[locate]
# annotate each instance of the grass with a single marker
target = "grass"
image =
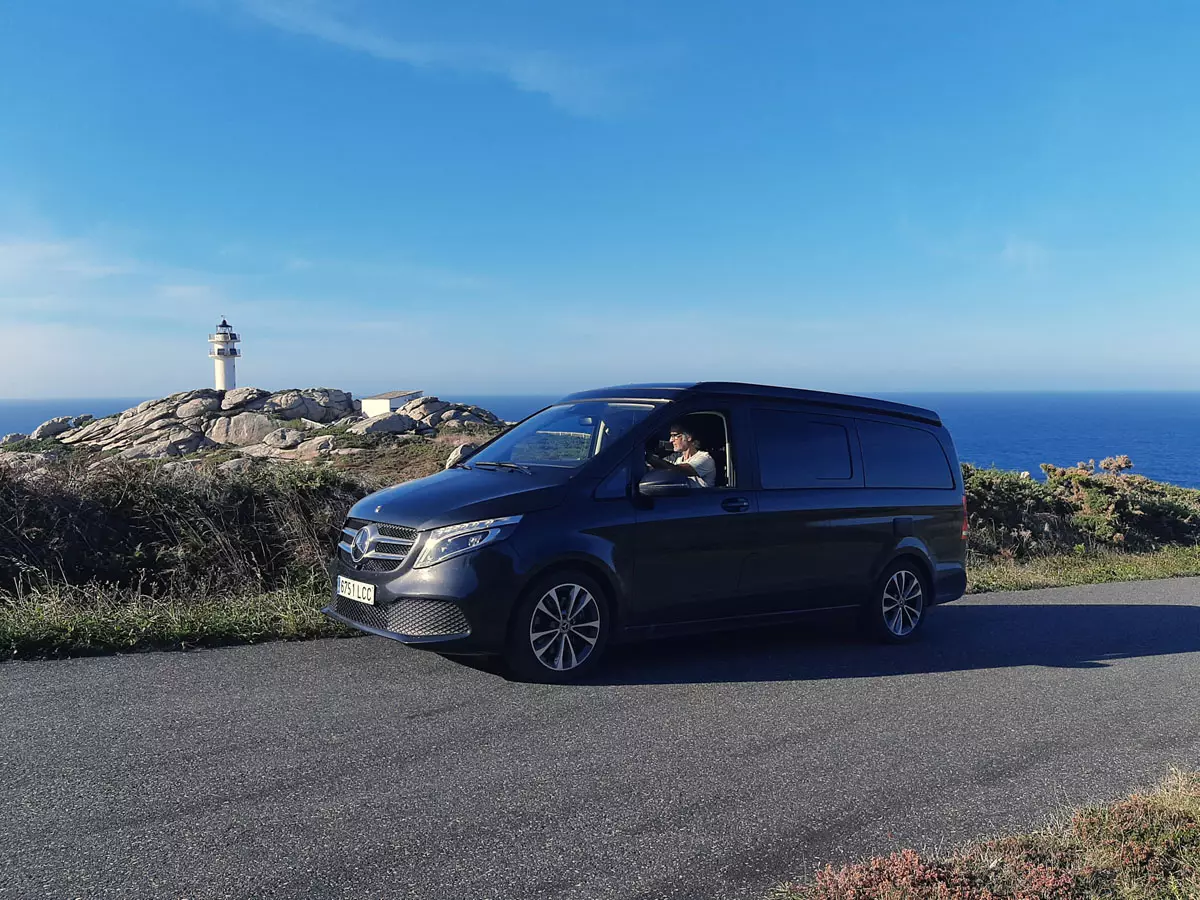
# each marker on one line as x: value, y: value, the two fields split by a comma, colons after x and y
x: 60, y: 621
x: 1145, y: 847
x: 1099, y: 567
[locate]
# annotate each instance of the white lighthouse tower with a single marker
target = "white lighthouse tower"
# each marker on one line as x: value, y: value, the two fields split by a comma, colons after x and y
x: 224, y: 353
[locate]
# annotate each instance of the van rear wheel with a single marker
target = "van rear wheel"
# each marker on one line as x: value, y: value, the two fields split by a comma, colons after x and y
x: 559, y: 630
x: 899, y: 603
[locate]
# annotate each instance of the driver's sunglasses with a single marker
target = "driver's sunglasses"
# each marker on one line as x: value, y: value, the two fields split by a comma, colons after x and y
x: 675, y: 434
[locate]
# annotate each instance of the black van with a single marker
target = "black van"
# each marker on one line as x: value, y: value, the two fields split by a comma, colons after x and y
x: 577, y: 527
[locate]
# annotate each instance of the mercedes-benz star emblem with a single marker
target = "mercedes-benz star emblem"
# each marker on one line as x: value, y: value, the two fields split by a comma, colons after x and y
x: 362, y: 541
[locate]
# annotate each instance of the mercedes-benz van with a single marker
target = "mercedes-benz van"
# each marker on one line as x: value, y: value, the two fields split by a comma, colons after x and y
x: 577, y: 527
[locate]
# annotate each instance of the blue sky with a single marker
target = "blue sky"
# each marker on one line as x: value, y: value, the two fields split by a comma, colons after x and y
x: 507, y: 197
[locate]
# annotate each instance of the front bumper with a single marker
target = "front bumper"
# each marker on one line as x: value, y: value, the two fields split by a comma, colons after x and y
x: 461, y: 605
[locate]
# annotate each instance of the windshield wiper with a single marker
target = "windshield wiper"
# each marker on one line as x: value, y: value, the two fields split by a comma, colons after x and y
x: 515, y: 467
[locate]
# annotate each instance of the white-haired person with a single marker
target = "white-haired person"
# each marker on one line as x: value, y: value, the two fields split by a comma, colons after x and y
x: 688, y: 458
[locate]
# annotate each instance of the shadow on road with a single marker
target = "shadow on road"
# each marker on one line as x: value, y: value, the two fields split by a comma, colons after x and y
x: 955, y: 638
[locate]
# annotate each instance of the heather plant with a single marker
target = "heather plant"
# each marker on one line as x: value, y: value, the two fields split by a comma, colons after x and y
x: 1146, y: 847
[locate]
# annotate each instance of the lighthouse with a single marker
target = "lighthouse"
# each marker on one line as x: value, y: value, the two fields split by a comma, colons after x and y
x: 224, y: 354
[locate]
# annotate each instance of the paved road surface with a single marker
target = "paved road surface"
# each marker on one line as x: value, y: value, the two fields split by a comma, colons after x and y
x: 360, y: 768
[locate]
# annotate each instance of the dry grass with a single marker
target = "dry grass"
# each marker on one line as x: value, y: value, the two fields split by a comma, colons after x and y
x: 1145, y: 847
x: 1082, y: 568
x: 61, y: 621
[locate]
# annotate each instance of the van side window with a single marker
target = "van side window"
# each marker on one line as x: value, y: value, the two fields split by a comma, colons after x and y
x: 796, y: 451
x: 710, y: 429
x: 899, y: 456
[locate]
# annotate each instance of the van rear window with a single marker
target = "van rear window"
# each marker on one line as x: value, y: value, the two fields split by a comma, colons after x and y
x: 897, y: 456
x: 795, y: 451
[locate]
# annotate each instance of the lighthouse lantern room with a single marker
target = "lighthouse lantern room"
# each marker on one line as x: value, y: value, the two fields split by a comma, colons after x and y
x: 224, y: 353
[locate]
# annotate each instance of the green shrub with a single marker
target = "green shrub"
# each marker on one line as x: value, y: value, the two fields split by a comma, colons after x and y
x: 1076, y: 510
x: 170, y: 532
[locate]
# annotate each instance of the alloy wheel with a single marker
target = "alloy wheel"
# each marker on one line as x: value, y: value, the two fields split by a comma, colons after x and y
x: 903, y: 603
x: 564, y: 627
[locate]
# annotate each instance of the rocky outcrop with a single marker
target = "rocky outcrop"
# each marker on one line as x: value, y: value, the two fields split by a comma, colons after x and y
x: 198, y: 407
x: 388, y: 423
x: 431, y: 412
x: 241, y: 430
x: 244, y: 398
x: 52, y: 428
x: 12, y: 437
x: 284, y: 438
x: 317, y: 404
x: 276, y: 426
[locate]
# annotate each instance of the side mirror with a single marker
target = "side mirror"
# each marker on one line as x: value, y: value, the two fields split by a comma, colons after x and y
x: 664, y: 484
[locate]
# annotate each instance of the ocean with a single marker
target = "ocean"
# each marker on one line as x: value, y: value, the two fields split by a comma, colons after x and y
x: 1159, y: 431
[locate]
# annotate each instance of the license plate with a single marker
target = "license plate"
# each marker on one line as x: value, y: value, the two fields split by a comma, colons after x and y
x: 355, y: 590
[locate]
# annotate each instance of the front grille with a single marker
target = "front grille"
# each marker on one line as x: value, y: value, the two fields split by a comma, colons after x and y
x: 399, y: 532
x: 385, y: 547
x: 414, y: 618
x: 370, y: 564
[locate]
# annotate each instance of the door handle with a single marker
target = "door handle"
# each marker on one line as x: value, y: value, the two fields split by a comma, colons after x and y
x: 735, y: 504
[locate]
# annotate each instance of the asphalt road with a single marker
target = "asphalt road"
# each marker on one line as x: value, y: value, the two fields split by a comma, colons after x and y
x: 691, y: 769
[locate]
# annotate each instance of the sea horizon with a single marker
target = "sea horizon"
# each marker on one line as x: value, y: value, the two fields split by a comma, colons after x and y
x: 1014, y: 430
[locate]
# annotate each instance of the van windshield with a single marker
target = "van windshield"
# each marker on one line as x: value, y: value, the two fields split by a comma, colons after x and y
x: 564, y: 436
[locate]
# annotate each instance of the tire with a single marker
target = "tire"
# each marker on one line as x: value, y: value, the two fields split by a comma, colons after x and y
x: 899, y: 603
x: 545, y: 647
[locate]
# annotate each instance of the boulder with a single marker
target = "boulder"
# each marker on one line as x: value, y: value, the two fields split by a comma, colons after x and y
x: 388, y: 423
x: 52, y: 428
x: 22, y: 463
x: 249, y: 397
x: 154, y: 450
x: 326, y: 404
x: 93, y: 431
x: 138, y: 419
x: 348, y: 451
x: 286, y: 405
x: 198, y: 407
x: 13, y: 437
x: 308, y: 424
x: 236, y: 466
x: 314, y: 447
x: 459, y: 453
x: 316, y: 404
x: 284, y: 438
x: 241, y: 430
x: 485, y: 415
x: 85, y: 419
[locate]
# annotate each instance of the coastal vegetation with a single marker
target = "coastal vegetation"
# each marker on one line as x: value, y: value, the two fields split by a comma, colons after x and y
x: 179, y: 552
x: 1143, y: 847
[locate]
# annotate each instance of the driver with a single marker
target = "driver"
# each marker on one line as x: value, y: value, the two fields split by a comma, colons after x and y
x: 687, y: 458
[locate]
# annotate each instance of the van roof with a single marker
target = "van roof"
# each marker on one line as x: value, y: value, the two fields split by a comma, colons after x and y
x: 677, y: 391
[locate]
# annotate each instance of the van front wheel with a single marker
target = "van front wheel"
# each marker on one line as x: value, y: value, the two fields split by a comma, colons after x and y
x: 559, y: 630
x: 898, y: 604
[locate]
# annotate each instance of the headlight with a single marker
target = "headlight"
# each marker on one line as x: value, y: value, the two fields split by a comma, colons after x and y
x: 443, y: 543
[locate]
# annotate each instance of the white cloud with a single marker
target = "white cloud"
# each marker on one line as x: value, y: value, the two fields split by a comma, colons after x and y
x: 570, y: 86
x: 22, y: 259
